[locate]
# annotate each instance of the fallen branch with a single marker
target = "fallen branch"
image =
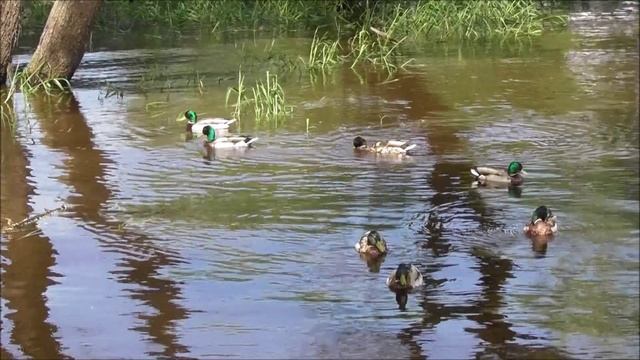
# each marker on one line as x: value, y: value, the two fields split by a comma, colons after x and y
x: 11, y: 226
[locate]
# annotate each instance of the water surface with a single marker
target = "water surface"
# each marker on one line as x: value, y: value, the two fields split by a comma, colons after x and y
x: 167, y: 252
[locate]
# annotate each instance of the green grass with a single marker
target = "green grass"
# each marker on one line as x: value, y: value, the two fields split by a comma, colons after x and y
x: 324, y: 54
x: 266, y: 96
x: 240, y: 95
x: 431, y: 20
x: 472, y: 20
x: 29, y: 83
x: 269, y: 100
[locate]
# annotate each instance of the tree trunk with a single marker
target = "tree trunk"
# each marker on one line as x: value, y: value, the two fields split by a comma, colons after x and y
x: 9, y: 31
x: 64, y: 39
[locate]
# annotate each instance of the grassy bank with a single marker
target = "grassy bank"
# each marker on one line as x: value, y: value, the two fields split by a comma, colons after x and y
x: 418, y: 19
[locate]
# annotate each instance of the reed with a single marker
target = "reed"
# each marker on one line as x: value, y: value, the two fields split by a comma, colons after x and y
x: 239, y: 92
x: 429, y: 20
x: 29, y: 83
x: 324, y: 54
x: 269, y: 100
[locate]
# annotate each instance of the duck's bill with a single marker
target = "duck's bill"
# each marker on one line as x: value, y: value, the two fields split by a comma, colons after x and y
x: 524, y: 173
x: 181, y: 118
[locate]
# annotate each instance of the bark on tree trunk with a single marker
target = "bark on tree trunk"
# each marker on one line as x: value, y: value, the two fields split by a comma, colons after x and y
x: 9, y: 31
x: 64, y: 38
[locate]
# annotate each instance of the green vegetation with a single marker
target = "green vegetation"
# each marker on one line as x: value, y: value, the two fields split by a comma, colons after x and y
x: 266, y: 96
x: 324, y: 54
x: 418, y: 19
x: 269, y: 98
x: 28, y: 84
x: 347, y: 32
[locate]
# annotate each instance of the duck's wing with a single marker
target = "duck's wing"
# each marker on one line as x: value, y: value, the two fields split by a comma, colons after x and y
x: 217, y: 121
x: 416, y: 277
x: 391, y: 278
x: 553, y: 223
x: 485, y: 170
x: 410, y: 147
x: 397, y: 143
x: 233, y: 139
x: 361, y: 244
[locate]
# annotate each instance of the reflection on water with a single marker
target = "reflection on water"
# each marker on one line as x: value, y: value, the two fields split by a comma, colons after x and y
x: 27, y: 258
x: 167, y: 250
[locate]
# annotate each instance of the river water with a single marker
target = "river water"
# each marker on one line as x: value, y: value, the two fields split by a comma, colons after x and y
x: 165, y: 251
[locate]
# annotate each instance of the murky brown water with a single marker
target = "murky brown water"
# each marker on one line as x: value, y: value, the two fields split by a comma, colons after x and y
x: 165, y: 253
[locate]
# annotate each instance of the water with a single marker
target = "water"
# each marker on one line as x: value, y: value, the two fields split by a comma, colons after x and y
x: 165, y: 252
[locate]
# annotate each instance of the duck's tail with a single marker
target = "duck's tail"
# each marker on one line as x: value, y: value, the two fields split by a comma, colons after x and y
x: 410, y: 147
x: 476, y: 174
x: 249, y: 140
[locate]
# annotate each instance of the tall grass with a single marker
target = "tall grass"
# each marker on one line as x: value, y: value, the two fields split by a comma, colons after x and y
x: 472, y: 20
x: 267, y: 97
x: 324, y: 54
x: 240, y: 96
x: 269, y: 100
x: 29, y: 83
x: 125, y: 15
x: 422, y: 19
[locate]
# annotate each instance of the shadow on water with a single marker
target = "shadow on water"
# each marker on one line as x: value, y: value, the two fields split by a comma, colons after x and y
x: 64, y: 128
x: 28, y: 256
x: 456, y: 209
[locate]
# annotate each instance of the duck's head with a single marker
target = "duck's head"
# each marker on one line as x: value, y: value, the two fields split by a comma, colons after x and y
x: 542, y: 213
x: 515, y: 168
x: 210, y: 133
x: 375, y: 239
x: 539, y: 226
x: 190, y: 116
x: 402, y: 275
x: 359, y: 142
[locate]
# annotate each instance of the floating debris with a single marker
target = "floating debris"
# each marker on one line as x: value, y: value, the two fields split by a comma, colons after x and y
x: 11, y: 226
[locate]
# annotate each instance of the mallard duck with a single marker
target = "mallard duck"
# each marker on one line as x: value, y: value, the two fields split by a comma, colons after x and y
x: 402, y: 281
x: 542, y: 223
x: 372, y: 244
x: 433, y: 224
x: 512, y: 175
x: 388, y: 147
x: 196, y: 125
x: 226, y: 142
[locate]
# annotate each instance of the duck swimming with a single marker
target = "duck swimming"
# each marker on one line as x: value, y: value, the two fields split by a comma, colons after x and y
x: 226, y: 142
x: 402, y: 281
x: 513, y: 175
x: 388, y: 147
x: 372, y: 244
x: 196, y: 125
x: 542, y: 223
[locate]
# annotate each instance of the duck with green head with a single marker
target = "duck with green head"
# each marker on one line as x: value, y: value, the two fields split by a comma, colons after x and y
x: 372, y: 244
x: 542, y: 223
x: 512, y: 175
x: 228, y: 142
x: 403, y: 280
x: 196, y: 125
